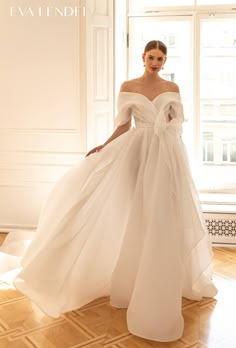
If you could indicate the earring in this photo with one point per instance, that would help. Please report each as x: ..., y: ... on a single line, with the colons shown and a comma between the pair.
x: 163, y: 67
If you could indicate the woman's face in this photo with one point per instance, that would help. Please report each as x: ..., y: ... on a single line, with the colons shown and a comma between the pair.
x: 154, y: 60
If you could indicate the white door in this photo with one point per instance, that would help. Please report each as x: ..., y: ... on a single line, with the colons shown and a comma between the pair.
x: 99, y: 71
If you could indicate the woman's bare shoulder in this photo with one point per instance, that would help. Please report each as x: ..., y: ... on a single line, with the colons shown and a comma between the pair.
x: 172, y: 86
x: 129, y: 85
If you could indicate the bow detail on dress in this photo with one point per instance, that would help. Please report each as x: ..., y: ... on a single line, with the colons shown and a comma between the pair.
x: 173, y: 127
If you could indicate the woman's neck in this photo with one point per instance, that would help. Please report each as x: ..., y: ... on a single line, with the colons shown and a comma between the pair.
x: 151, y: 78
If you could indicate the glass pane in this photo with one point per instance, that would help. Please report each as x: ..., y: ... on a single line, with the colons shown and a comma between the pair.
x: 204, y: 152
x: 176, y: 34
x: 210, y: 154
x: 233, y: 152
x: 138, y: 4
x: 225, y: 153
x: 218, y: 101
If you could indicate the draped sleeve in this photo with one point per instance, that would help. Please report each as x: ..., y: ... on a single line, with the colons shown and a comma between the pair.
x: 176, y: 108
x: 124, y: 111
x: 170, y: 105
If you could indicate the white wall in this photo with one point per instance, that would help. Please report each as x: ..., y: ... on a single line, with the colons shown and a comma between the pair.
x: 40, y: 122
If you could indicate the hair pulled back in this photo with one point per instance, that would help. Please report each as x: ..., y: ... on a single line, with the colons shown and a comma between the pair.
x: 156, y: 44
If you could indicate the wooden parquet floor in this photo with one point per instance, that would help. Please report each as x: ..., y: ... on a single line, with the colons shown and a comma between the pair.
x: 210, y: 323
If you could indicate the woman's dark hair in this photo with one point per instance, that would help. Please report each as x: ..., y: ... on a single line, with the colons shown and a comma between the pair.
x: 156, y: 44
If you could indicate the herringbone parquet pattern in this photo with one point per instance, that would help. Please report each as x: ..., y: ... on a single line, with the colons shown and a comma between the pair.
x: 208, y: 324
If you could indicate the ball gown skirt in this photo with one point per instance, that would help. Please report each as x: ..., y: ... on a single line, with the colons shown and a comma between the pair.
x: 126, y: 223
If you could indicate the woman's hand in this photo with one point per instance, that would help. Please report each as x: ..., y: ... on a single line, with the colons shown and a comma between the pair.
x: 96, y: 149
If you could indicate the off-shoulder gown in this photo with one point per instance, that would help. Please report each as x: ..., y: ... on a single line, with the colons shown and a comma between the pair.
x: 124, y: 222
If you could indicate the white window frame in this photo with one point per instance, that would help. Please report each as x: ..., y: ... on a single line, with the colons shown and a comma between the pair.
x: 155, y: 10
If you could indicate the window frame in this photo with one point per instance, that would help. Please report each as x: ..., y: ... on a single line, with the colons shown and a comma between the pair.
x: 150, y: 10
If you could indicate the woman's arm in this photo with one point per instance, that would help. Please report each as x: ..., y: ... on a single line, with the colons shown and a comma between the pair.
x: 119, y: 130
x: 173, y: 88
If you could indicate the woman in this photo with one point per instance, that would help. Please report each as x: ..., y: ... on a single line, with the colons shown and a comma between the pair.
x: 127, y: 222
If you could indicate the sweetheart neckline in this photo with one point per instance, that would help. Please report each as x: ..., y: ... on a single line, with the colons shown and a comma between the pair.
x: 152, y: 101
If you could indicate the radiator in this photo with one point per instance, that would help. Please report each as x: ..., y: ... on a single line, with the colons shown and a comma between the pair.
x: 221, y: 227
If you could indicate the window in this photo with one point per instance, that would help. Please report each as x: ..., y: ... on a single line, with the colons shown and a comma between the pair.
x: 229, y: 151
x: 208, y: 148
x: 218, y: 99
x: 201, y: 59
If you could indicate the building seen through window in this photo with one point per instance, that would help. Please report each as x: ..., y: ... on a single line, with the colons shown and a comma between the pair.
x: 217, y: 90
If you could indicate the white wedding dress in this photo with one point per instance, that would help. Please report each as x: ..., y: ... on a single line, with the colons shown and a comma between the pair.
x: 125, y: 222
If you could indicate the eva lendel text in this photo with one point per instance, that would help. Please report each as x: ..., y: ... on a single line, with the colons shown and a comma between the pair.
x: 47, y: 11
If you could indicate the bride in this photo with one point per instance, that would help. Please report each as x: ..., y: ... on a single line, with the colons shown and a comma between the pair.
x: 125, y: 222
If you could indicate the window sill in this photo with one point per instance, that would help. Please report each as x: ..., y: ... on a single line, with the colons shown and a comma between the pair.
x: 218, y: 203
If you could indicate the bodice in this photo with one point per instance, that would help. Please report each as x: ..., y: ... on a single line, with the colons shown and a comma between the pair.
x: 151, y: 113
